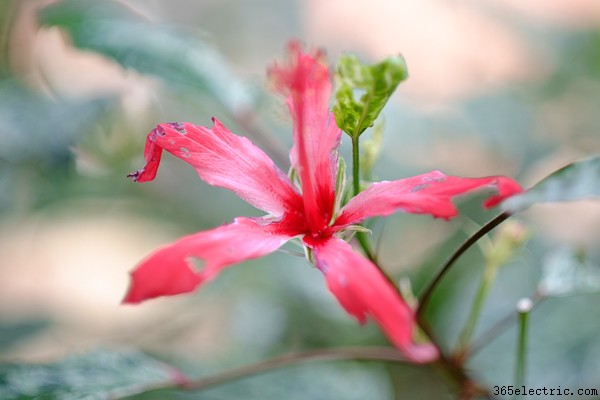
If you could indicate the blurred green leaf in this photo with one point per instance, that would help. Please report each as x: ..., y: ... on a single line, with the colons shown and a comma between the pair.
x: 8, y: 8
x: 348, y: 381
x: 97, y: 375
x: 11, y: 333
x: 575, y: 181
x: 566, y: 273
x: 177, y: 56
x: 33, y: 126
x: 374, y: 84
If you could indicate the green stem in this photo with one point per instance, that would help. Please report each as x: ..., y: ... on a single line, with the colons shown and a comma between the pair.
x: 428, y: 292
x: 355, y: 165
x: 362, y: 238
x: 477, y: 306
x: 453, y: 369
x: 524, y: 307
x: 495, y: 331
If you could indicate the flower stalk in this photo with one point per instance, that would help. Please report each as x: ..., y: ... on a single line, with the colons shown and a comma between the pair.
x: 489, y: 275
x: 355, y: 164
x: 362, y: 237
x: 433, y: 284
x: 524, y: 307
x: 499, y: 252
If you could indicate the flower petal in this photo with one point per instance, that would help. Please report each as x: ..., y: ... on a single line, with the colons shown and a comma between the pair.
x: 223, y: 159
x: 170, y: 270
x: 363, y: 291
x: 430, y: 193
x: 307, y: 84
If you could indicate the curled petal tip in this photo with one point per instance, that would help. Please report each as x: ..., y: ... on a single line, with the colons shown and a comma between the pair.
x: 134, y: 295
x: 179, y: 378
x: 431, y: 193
x: 294, y: 45
x: 127, y: 301
x: 506, y: 188
x: 421, y: 353
x: 134, y: 176
x: 130, y: 298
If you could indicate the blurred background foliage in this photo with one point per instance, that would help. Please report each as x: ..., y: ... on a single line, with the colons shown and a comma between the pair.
x: 495, y: 87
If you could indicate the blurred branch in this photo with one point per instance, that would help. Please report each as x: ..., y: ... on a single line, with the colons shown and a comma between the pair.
x: 383, y: 354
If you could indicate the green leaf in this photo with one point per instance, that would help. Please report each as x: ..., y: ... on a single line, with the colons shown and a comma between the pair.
x: 15, y: 332
x: 97, y: 375
x: 349, y: 381
x: 566, y: 273
x: 575, y: 181
x: 35, y: 127
x: 177, y: 56
x: 373, y: 85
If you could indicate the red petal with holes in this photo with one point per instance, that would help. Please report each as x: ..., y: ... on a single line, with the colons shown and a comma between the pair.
x: 306, y: 82
x: 431, y: 193
x: 223, y: 159
x: 170, y: 270
x: 364, y: 292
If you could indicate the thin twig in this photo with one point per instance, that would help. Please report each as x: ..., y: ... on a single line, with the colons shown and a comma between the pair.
x: 495, y: 330
x: 384, y: 354
x: 428, y: 292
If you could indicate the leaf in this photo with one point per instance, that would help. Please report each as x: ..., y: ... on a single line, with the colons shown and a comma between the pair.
x: 14, y: 332
x: 35, y: 127
x: 96, y: 375
x: 576, y: 181
x: 348, y: 381
x: 176, y: 56
x: 374, y: 84
x: 566, y: 273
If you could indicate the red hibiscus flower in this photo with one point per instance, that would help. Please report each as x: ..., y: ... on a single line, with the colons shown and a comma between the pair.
x: 307, y: 211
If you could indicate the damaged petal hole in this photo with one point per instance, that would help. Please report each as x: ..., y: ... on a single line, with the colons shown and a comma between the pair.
x: 155, y: 133
x: 196, y: 264
x: 178, y: 126
x: 426, y: 183
x: 185, y: 152
x: 420, y: 187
